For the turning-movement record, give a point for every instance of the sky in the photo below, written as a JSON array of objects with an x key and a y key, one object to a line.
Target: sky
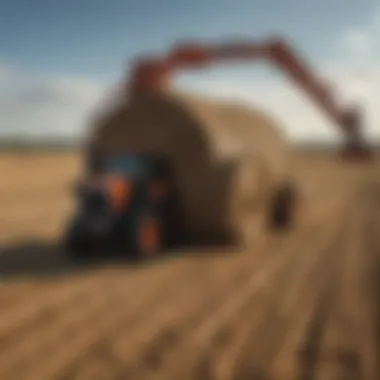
[{"x": 62, "y": 60}]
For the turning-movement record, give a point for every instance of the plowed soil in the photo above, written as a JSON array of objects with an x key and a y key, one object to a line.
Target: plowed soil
[{"x": 303, "y": 304}]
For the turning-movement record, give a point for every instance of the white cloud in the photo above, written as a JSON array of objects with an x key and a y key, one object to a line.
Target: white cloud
[
  {"x": 355, "y": 81},
  {"x": 35, "y": 106},
  {"x": 40, "y": 107},
  {"x": 32, "y": 106},
  {"x": 376, "y": 20},
  {"x": 360, "y": 40}
]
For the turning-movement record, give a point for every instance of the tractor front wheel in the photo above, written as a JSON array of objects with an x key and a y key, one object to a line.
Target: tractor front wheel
[
  {"x": 146, "y": 236},
  {"x": 149, "y": 236},
  {"x": 78, "y": 248}
]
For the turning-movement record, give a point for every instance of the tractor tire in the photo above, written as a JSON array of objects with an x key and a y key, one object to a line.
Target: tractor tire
[
  {"x": 148, "y": 237},
  {"x": 76, "y": 246},
  {"x": 282, "y": 213}
]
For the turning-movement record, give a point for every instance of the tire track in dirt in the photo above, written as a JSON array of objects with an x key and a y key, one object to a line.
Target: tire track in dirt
[
  {"x": 127, "y": 326},
  {"x": 273, "y": 330},
  {"x": 320, "y": 292},
  {"x": 119, "y": 319},
  {"x": 346, "y": 345},
  {"x": 80, "y": 310},
  {"x": 276, "y": 320},
  {"x": 368, "y": 298},
  {"x": 299, "y": 356},
  {"x": 193, "y": 348},
  {"x": 157, "y": 353},
  {"x": 16, "y": 292},
  {"x": 200, "y": 345},
  {"x": 335, "y": 351},
  {"x": 175, "y": 305},
  {"x": 373, "y": 284},
  {"x": 126, "y": 312},
  {"x": 226, "y": 371},
  {"x": 320, "y": 321},
  {"x": 52, "y": 295},
  {"x": 26, "y": 339}
]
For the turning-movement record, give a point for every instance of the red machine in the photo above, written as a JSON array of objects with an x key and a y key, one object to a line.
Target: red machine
[{"x": 154, "y": 73}]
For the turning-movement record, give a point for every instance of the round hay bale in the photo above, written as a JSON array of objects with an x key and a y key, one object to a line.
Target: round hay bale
[{"x": 227, "y": 159}]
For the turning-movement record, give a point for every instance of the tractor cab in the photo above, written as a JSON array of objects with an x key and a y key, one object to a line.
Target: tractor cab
[{"x": 124, "y": 205}]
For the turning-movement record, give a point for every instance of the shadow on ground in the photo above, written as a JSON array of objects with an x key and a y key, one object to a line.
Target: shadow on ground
[
  {"x": 43, "y": 259},
  {"x": 34, "y": 258}
]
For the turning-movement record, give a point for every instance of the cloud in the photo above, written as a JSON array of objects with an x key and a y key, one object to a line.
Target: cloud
[
  {"x": 354, "y": 80},
  {"x": 37, "y": 106},
  {"x": 360, "y": 40}
]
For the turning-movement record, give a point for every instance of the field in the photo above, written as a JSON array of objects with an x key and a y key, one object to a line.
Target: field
[{"x": 301, "y": 305}]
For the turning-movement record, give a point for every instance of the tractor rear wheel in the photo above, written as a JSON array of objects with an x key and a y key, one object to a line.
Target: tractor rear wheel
[{"x": 283, "y": 206}]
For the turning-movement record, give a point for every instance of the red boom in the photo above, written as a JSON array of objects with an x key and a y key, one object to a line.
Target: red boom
[{"x": 154, "y": 74}]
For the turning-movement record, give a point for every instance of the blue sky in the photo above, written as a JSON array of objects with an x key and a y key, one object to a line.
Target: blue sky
[
  {"x": 96, "y": 37},
  {"x": 93, "y": 40}
]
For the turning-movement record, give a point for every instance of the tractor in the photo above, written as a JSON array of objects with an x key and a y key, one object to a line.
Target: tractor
[{"x": 127, "y": 206}]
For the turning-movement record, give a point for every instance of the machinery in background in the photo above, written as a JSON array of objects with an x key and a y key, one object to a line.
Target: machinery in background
[{"x": 151, "y": 74}]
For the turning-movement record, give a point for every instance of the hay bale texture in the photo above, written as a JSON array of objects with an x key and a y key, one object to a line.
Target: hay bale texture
[{"x": 227, "y": 159}]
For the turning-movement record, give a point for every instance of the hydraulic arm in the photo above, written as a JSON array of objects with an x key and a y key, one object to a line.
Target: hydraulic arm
[{"x": 154, "y": 73}]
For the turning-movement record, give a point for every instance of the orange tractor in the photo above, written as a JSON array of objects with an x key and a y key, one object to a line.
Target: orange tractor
[{"x": 127, "y": 207}]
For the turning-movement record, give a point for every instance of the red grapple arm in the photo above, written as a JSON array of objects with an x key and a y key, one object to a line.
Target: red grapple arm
[{"x": 154, "y": 74}]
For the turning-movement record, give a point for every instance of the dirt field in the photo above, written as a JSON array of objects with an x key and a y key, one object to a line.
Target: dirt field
[{"x": 303, "y": 305}]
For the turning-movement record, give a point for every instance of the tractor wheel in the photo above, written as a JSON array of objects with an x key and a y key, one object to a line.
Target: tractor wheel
[
  {"x": 76, "y": 246},
  {"x": 148, "y": 237},
  {"x": 283, "y": 207}
]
